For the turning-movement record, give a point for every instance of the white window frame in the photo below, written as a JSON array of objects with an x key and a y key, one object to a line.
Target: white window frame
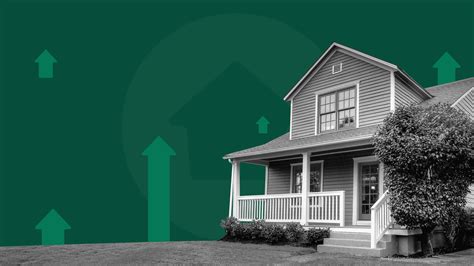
[
  {"x": 312, "y": 162},
  {"x": 355, "y": 188},
  {"x": 334, "y": 89},
  {"x": 339, "y": 71}
]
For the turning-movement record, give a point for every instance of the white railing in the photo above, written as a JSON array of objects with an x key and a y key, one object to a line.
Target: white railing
[
  {"x": 272, "y": 208},
  {"x": 326, "y": 207},
  {"x": 323, "y": 207},
  {"x": 380, "y": 218}
]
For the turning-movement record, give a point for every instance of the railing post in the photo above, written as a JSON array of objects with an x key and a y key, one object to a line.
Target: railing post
[
  {"x": 305, "y": 187},
  {"x": 342, "y": 202},
  {"x": 372, "y": 229},
  {"x": 236, "y": 186}
]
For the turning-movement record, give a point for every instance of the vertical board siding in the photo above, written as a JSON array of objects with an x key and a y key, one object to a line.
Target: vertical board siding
[
  {"x": 337, "y": 175},
  {"x": 404, "y": 95},
  {"x": 466, "y": 104},
  {"x": 374, "y": 90}
]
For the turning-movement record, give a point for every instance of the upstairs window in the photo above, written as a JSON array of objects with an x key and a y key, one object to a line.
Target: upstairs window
[{"x": 337, "y": 110}]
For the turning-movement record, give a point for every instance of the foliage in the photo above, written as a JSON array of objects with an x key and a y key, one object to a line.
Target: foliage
[
  {"x": 293, "y": 232},
  {"x": 261, "y": 232},
  {"x": 315, "y": 236},
  {"x": 459, "y": 231},
  {"x": 429, "y": 164}
]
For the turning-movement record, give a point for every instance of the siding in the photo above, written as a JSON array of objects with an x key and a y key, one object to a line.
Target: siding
[
  {"x": 337, "y": 175},
  {"x": 470, "y": 197},
  {"x": 467, "y": 104},
  {"x": 404, "y": 95},
  {"x": 374, "y": 90}
]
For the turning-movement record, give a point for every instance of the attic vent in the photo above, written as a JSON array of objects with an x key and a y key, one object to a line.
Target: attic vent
[{"x": 337, "y": 68}]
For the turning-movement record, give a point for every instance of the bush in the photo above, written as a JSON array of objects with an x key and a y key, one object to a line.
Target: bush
[
  {"x": 254, "y": 229},
  {"x": 273, "y": 233},
  {"x": 315, "y": 236},
  {"x": 459, "y": 231},
  {"x": 229, "y": 225},
  {"x": 294, "y": 232}
]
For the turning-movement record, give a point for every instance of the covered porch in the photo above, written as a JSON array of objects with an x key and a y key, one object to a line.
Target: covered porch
[{"x": 341, "y": 188}]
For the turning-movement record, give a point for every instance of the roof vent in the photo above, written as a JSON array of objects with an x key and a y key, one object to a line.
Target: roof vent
[{"x": 337, "y": 68}]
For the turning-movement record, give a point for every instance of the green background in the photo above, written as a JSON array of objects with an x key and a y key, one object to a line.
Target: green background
[{"x": 73, "y": 143}]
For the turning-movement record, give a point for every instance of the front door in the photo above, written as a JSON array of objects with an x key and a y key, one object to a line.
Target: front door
[{"x": 368, "y": 188}]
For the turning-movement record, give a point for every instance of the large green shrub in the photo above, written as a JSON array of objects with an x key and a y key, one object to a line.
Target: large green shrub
[
  {"x": 273, "y": 233},
  {"x": 429, "y": 165},
  {"x": 293, "y": 232},
  {"x": 315, "y": 236}
]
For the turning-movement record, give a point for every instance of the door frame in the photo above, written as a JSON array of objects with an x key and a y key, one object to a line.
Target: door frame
[{"x": 355, "y": 197}]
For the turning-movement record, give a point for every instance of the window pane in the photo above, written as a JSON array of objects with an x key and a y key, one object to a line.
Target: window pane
[
  {"x": 333, "y": 97},
  {"x": 352, "y": 93},
  {"x": 351, "y": 103},
  {"x": 323, "y": 100}
]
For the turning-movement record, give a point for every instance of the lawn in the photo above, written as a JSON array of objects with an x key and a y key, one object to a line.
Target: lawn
[{"x": 208, "y": 252}]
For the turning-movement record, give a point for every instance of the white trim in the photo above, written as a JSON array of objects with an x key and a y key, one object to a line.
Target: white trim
[
  {"x": 339, "y": 71},
  {"x": 357, "y": 54},
  {"x": 316, "y": 108},
  {"x": 291, "y": 119},
  {"x": 342, "y": 86},
  {"x": 350, "y": 229},
  {"x": 355, "y": 187},
  {"x": 357, "y": 104},
  {"x": 319, "y": 155},
  {"x": 231, "y": 190},
  {"x": 313, "y": 145},
  {"x": 392, "y": 91},
  {"x": 236, "y": 186},
  {"x": 462, "y": 97},
  {"x": 266, "y": 179},
  {"x": 311, "y": 163}
]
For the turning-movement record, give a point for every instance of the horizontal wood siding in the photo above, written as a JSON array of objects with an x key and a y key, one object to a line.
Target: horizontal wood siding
[
  {"x": 337, "y": 175},
  {"x": 466, "y": 104},
  {"x": 470, "y": 197},
  {"x": 278, "y": 180},
  {"x": 374, "y": 89},
  {"x": 404, "y": 95}
]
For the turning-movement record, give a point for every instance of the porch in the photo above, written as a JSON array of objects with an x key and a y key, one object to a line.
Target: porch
[{"x": 341, "y": 189}]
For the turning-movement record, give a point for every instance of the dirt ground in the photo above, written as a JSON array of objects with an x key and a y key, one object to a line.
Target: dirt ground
[{"x": 200, "y": 252}]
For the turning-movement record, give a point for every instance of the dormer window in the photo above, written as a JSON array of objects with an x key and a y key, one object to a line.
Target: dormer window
[{"x": 337, "y": 110}]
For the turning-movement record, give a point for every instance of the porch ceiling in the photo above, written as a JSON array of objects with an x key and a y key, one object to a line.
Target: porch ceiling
[{"x": 283, "y": 146}]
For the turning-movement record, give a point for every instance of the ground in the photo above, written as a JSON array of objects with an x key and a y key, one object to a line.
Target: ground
[{"x": 197, "y": 252}]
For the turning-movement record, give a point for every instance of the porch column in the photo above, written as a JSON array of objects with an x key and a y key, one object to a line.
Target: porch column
[
  {"x": 236, "y": 186},
  {"x": 305, "y": 187}
]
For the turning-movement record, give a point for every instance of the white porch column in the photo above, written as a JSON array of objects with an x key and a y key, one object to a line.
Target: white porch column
[
  {"x": 236, "y": 186},
  {"x": 305, "y": 187}
]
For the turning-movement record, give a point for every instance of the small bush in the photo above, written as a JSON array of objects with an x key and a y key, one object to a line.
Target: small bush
[
  {"x": 315, "y": 236},
  {"x": 273, "y": 233},
  {"x": 229, "y": 225},
  {"x": 254, "y": 229},
  {"x": 294, "y": 232},
  {"x": 459, "y": 231}
]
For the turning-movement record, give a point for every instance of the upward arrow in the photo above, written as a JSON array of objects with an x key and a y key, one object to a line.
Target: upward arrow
[
  {"x": 52, "y": 228},
  {"x": 159, "y": 153},
  {"x": 446, "y": 66},
  {"x": 262, "y": 125},
  {"x": 45, "y": 63}
]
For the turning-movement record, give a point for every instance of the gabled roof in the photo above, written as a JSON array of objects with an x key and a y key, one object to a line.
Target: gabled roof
[
  {"x": 283, "y": 143},
  {"x": 450, "y": 92},
  {"x": 334, "y": 46}
]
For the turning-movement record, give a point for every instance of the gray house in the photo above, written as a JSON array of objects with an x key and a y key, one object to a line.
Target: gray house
[{"x": 324, "y": 172}]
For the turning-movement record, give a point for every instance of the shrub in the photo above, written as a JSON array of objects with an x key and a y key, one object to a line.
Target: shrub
[
  {"x": 315, "y": 236},
  {"x": 254, "y": 229},
  {"x": 293, "y": 232},
  {"x": 229, "y": 225},
  {"x": 459, "y": 231},
  {"x": 273, "y": 233}
]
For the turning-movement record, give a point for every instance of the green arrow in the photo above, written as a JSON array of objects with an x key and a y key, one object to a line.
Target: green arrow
[
  {"x": 262, "y": 125},
  {"x": 45, "y": 63},
  {"x": 159, "y": 153},
  {"x": 446, "y": 66},
  {"x": 52, "y": 228}
]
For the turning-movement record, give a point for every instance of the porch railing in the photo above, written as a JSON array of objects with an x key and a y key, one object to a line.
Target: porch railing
[
  {"x": 381, "y": 219},
  {"x": 323, "y": 207}
]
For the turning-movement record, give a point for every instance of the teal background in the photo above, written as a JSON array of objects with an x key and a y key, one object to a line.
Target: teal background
[{"x": 66, "y": 142}]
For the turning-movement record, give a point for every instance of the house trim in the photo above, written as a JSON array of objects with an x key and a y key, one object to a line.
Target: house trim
[
  {"x": 355, "y": 194},
  {"x": 312, "y": 162},
  {"x": 462, "y": 97},
  {"x": 392, "y": 91},
  {"x": 266, "y": 179},
  {"x": 291, "y": 119}
]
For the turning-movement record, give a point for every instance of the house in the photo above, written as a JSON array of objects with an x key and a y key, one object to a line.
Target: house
[{"x": 323, "y": 171}]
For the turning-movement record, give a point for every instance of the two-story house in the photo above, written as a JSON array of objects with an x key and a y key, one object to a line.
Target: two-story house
[{"x": 323, "y": 172}]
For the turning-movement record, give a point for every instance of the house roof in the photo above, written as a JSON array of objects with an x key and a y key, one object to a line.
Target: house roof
[
  {"x": 283, "y": 143},
  {"x": 381, "y": 63},
  {"x": 450, "y": 92}
]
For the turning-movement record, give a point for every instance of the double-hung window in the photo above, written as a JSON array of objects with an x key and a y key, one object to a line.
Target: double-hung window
[{"x": 337, "y": 110}]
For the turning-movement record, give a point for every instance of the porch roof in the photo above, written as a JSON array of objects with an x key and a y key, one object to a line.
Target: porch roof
[
  {"x": 284, "y": 144},
  {"x": 450, "y": 92}
]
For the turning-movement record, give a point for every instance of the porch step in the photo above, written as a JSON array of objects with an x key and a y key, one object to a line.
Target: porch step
[{"x": 356, "y": 243}]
